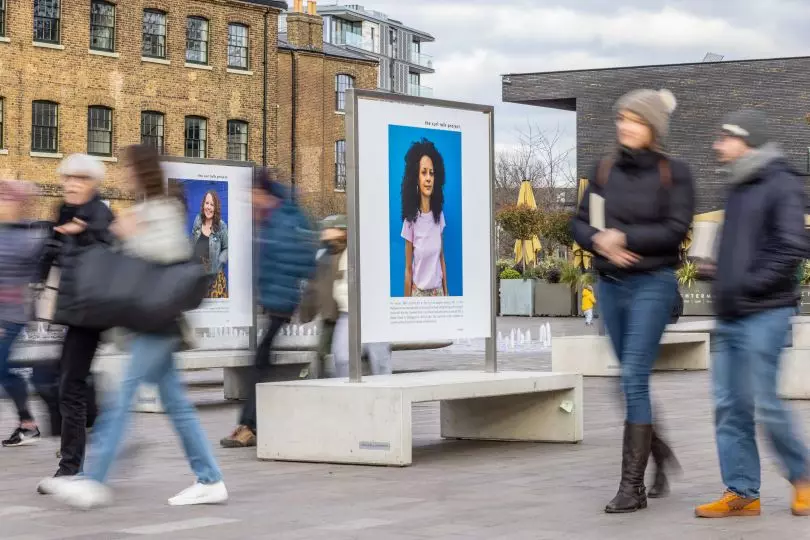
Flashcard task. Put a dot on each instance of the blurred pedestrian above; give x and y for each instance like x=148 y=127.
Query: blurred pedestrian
x=588 y=303
x=319 y=298
x=20 y=249
x=154 y=230
x=754 y=294
x=634 y=216
x=83 y=220
x=286 y=245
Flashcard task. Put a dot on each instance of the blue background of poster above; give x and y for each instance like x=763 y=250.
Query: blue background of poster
x=448 y=143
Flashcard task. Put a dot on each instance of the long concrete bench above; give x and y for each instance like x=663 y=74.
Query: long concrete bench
x=371 y=422
x=593 y=356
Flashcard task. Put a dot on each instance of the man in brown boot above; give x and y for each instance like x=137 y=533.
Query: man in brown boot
x=755 y=295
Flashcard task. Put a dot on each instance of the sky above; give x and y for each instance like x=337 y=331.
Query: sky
x=477 y=41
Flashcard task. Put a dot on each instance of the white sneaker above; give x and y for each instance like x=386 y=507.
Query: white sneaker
x=48 y=485
x=201 y=494
x=83 y=493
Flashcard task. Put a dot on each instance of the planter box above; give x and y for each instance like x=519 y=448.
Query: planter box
x=804 y=308
x=517 y=297
x=552 y=299
x=697 y=300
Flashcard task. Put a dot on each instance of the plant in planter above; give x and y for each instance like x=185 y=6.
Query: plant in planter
x=522 y=223
x=687 y=274
x=510 y=273
x=696 y=294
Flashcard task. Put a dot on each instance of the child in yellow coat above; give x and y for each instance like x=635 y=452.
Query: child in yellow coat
x=588 y=303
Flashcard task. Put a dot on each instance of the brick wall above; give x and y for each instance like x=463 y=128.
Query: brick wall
x=705 y=91
x=76 y=79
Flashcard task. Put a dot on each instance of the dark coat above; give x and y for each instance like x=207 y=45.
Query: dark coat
x=763 y=240
x=319 y=297
x=654 y=214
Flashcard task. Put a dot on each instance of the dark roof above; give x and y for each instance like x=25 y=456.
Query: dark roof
x=328 y=50
x=279 y=4
x=617 y=68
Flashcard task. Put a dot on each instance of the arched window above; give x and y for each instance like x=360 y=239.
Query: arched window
x=342 y=83
x=196 y=137
x=237 y=140
x=45 y=127
x=99 y=131
x=197 y=40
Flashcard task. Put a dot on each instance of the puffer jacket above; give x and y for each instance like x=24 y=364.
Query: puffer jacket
x=20 y=249
x=654 y=214
x=763 y=239
x=286 y=244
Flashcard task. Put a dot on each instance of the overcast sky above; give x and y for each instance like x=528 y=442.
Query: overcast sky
x=478 y=40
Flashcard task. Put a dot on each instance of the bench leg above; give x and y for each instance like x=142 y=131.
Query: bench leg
x=683 y=356
x=537 y=417
x=340 y=424
x=147 y=400
x=237 y=382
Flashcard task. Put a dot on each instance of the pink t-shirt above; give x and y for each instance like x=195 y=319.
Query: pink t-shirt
x=426 y=236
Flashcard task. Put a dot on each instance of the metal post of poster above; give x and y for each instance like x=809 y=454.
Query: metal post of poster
x=440 y=282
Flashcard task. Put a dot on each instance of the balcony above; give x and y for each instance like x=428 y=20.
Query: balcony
x=420 y=91
x=422 y=59
x=358 y=42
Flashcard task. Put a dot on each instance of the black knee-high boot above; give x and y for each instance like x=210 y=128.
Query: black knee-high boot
x=632 y=494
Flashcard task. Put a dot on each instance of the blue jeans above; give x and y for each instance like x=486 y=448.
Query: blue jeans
x=152 y=362
x=12 y=383
x=745 y=373
x=636 y=309
x=379 y=354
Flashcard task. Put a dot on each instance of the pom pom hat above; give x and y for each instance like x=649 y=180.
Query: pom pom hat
x=654 y=106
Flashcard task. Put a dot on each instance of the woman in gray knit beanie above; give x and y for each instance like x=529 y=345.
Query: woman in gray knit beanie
x=634 y=216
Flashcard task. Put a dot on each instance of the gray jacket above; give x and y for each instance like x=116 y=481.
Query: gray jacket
x=20 y=250
x=217 y=245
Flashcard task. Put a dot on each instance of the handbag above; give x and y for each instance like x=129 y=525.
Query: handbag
x=102 y=288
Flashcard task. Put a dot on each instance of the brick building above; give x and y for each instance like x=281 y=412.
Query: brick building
x=705 y=91
x=196 y=78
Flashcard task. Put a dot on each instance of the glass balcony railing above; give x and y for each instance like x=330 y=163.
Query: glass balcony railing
x=358 y=41
x=422 y=59
x=420 y=91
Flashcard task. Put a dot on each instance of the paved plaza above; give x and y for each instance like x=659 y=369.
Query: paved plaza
x=455 y=490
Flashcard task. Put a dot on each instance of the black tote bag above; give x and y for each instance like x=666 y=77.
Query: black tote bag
x=102 y=288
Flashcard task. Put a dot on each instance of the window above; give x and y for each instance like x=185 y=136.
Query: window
x=2 y=18
x=99 y=131
x=342 y=83
x=102 y=26
x=237 y=140
x=197 y=40
x=196 y=136
x=340 y=165
x=45 y=127
x=345 y=32
x=154 y=34
x=238 y=46
x=2 y=111
x=152 y=129
x=46 y=21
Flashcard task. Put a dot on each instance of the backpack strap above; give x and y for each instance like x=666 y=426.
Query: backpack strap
x=665 y=173
x=603 y=171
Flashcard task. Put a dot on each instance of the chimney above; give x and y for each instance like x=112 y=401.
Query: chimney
x=305 y=30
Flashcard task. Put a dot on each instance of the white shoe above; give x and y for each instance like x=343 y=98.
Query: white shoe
x=201 y=494
x=48 y=485
x=83 y=493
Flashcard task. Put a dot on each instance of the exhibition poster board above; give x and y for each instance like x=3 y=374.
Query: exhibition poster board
x=420 y=204
x=219 y=224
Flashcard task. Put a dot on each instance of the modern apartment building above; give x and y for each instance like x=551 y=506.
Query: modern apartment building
x=397 y=47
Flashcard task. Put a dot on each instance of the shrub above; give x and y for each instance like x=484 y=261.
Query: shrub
x=553 y=275
x=570 y=275
x=687 y=274
x=521 y=222
x=510 y=273
x=806 y=273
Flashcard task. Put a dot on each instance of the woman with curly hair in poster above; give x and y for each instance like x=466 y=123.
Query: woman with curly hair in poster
x=423 y=221
x=210 y=242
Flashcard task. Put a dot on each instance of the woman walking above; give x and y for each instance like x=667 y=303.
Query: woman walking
x=634 y=217
x=153 y=230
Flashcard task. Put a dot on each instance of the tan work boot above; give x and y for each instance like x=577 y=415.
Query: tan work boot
x=242 y=437
x=730 y=505
x=801 y=499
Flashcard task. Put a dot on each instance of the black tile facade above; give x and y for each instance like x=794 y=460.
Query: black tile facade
x=705 y=92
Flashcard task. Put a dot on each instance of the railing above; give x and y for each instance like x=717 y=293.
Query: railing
x=422 y=59
x=357 y=41
x=420 y=91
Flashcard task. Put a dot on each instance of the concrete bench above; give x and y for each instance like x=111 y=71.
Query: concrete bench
x=592 y=356
x=370 y=423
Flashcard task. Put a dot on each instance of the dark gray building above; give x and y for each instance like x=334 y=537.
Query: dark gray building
x=706 y=91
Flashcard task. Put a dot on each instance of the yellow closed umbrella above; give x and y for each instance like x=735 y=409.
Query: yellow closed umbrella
x=715 y=216
x=582 y=259
x=526 y=250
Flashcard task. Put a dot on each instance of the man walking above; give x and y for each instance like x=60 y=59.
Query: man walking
x=755 y=295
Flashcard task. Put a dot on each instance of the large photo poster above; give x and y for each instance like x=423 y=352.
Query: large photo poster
x=220 y=231
x=424 y=214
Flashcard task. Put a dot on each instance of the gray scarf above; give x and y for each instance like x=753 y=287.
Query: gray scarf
x=746 y=168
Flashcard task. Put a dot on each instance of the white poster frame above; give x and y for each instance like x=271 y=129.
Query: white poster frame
x=353 y=208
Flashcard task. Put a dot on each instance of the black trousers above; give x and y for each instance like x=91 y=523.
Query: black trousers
x=261 y=370
x=77 y=357
x=46 y=383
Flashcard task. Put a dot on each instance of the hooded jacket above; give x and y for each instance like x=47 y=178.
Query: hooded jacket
x=655 y=217
x=763 y=239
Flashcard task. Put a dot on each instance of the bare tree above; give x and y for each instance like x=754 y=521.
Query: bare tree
x=539 y=159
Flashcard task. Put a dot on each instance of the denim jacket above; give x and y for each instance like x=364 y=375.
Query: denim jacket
x=217 y=245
